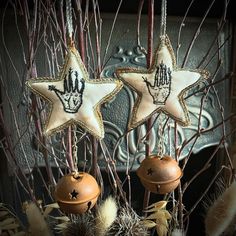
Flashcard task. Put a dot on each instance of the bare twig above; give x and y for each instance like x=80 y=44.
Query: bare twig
x=197 y=32
x=149 y=61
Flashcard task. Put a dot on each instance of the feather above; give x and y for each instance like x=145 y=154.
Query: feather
x=106 y=215
x=220 y=215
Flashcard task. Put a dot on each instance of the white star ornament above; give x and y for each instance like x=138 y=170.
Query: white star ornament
x=162 y=87
x=74 y=98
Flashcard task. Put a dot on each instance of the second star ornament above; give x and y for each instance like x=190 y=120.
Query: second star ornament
x=74 y=98
x=162 y=87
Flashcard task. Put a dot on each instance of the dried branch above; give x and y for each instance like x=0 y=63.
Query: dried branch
x=197 y=32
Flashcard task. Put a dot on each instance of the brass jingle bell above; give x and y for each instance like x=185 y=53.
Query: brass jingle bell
x=159 y=174
x=77 y=192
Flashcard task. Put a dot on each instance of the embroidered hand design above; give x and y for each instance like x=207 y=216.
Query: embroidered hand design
x=160 y=89
x=72 y=96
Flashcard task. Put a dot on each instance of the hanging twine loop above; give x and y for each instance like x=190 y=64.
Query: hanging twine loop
x=69 y=25
x=163 y=18
x=160 y=134
x=69 y=22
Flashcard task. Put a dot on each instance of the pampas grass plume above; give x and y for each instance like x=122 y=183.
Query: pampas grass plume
x=222 y=212
x=36 y=220
x=106 y=215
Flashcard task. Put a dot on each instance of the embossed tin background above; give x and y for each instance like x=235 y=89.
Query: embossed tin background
x=124 y=52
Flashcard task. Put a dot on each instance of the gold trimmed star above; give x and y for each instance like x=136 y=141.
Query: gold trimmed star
x=162 y=87
x=74 y=98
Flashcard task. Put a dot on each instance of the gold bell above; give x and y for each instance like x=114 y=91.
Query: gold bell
x=159 y=174
x=77 y=192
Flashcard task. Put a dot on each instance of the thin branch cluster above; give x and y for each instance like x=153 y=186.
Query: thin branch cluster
x=43 y=25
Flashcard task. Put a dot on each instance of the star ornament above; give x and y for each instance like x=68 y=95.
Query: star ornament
x=162 y=87
x=74 y=98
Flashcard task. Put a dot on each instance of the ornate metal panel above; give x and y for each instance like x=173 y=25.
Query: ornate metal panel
x=130 y=151
x=124 y=52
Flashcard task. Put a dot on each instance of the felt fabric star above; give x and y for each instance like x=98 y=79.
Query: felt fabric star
x=162 y=87
x=74 y=98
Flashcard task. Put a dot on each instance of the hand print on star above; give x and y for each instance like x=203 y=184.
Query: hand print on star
x=72 y=96
x=160 y=89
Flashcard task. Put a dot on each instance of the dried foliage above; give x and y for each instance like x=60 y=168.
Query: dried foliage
x=82 y=225
x=128 y=224
x=38 y=224
x=158 y=218
x=89 y=224
x=43 y=25
x=105 y=216
x=9 y=223
x=221 y=214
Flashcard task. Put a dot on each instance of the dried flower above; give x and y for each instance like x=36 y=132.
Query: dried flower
x=83 y=225
x=158 y=218
x=9 y=223
x=127 y=224
x=106 y=215
x=37 y=223
x=222 y=212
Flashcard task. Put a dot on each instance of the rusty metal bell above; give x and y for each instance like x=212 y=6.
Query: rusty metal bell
x=159 y=174
x=77 y=192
